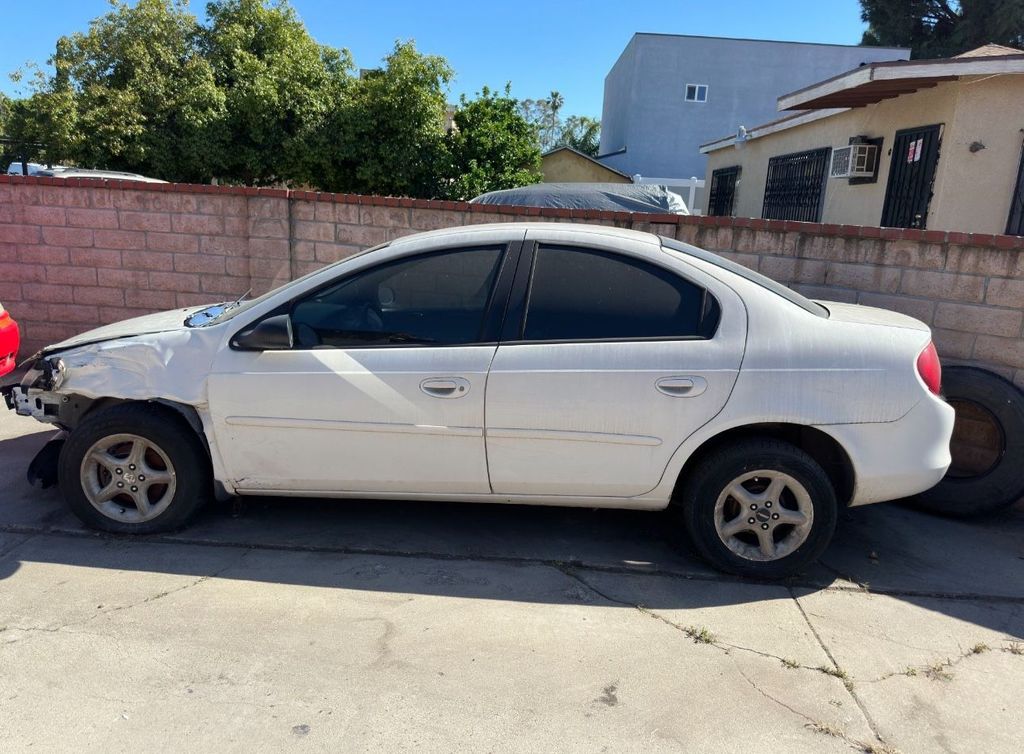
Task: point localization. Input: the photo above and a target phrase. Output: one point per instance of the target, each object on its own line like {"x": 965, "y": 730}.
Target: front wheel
{"x": 134, "y": 469}
{"x": 759, "y": 508}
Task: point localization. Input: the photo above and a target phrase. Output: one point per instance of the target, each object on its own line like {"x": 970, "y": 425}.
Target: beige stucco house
{"x": 939, "y": 147}
{"x": 567, "y": 165}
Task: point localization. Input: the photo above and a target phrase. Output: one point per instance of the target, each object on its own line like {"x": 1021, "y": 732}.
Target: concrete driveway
{"x": 322, "y": 625}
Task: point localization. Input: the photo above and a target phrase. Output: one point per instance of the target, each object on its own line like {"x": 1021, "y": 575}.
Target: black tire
{"x": 165, "y": 429}
{"x": 962, "y": 492}
{"x": 705, "y": 484}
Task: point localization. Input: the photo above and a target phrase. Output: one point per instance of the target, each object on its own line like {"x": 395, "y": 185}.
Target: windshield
{"x": 747, "y": 274}
{"x": 222, "y": 312}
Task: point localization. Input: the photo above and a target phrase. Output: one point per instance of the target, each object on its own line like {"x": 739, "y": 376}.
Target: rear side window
{"x": 584, "y": 294}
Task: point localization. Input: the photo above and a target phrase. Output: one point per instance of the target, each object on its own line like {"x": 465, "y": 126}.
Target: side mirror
{"x": 270, "y": 334}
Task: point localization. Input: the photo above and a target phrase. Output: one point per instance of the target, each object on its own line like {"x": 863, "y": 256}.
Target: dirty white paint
{"x": 567, "y": 423}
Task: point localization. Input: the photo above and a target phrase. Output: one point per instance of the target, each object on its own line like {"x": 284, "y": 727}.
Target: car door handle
{"x": 682, "y": 387}
{"x": 445, "y": 387}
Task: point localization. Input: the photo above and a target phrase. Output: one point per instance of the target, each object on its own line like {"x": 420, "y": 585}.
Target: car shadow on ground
{"x": 496, "y": 551}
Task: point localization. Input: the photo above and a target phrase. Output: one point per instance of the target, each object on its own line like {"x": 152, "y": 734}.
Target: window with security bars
{"x": 795, "y": 186}
{"x": 722, "y": 195}
{"x": 1015, "y": 225}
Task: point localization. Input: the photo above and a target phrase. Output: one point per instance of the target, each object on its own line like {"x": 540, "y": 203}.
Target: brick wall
{"x": 78, "y": 253}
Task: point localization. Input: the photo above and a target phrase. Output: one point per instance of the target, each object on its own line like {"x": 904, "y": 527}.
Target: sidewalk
{"x": 376, "y": 625}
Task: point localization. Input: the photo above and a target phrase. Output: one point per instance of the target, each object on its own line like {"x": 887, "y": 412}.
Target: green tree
{"x": 942, "y": 28}
{"x": 44, "y": 125}
{"x": 388, "y": 136}
{"x": 582, "y": 134}
{"x": 279, "y": 85}
{"x": 491, "y": 146}
{"x": 544, "y": 115}
{"x": 139, "y": 94}
{"x": 577, "y": 131}
{"x": 5, "y": 112}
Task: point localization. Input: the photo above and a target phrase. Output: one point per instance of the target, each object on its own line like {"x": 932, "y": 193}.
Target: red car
{"x": 9, "y": 339}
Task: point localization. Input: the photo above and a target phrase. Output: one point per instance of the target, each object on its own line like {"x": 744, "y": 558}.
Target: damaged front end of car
{"x": 35, "y": 396}
{"x": 66, "y": 382}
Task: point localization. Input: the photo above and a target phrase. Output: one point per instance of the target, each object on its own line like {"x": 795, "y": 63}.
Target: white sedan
{"x": 546, "y": 364}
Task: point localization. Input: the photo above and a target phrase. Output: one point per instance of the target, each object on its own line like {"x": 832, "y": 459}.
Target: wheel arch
{"x": 187, "y": 412}
{"x": 820, "y": 445}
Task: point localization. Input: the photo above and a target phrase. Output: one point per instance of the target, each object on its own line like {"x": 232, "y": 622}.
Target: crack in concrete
{"x": 848, "y": 683}
{"x": 513, "y": 560}
{"x": 836, "y": 671}
{"x": 768, "y": 696}
{"x": 8, "y": 550}
{"x": 936, "y": 670}
{"x": 63, "y": 627}
{"x": 714, "y": 642}
{"x": 725, "y": 648}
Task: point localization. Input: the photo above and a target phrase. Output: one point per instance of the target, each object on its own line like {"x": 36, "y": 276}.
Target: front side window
{"x": 696, "y": 92}
{"x": 436, "y": 299}
{"x": 584, "y": 294}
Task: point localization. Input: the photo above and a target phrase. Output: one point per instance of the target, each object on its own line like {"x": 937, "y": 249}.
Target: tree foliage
{"x": 577, "y": 131}
{"x": 388, "y": 136}
{"x": 136, "y": 92}
{"x": 582, "y": 134}
{"x": 279, "y": 87}
{"x": 491, "y": 146}
{"x": 942, "y": 28}
{"x": 250, "y": 97}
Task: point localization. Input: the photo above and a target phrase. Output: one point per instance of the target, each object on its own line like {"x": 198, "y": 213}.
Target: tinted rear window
{"x": 586, "y": 294}
{"x": 754, "y": 277}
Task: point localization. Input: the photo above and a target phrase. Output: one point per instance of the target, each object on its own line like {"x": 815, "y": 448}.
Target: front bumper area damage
{"x": 36, "y": 396}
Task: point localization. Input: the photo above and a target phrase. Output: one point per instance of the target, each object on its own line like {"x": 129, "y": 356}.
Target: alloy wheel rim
{"x": 128, "y": 478}
{"x": 764, "y": 515}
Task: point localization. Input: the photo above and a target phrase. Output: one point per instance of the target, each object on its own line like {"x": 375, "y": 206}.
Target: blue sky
{"x": 566, "y": 45}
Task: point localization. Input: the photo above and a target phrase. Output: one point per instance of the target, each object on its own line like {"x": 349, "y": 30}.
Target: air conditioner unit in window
{"x": 854, "y": 161}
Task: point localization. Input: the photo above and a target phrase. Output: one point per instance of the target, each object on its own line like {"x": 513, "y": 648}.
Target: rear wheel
{"x": 760, "y": 508}
{"x": 134, "y": 468}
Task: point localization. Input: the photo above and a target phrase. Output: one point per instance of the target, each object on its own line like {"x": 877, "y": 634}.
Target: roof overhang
{"x": 782, "y": 124}
{"x": 880, "y": 81}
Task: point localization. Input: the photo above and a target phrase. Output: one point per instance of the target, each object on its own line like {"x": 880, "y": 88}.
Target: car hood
{"x": 173, "y": 319}
{"x": 870, "y": 315}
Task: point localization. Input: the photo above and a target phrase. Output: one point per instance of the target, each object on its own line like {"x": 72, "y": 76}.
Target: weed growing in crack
{"x": 1015, "y": 648}
{"x": 826, "y": 729}
{"x": 791, "y": 664}
{"x": 880, "y": 749}
{"x": 834, "y": 672}
{"x": 837, "y": 672}
{"x": 980, "y": 648}
{"x": 910, "y": 671}
{"x": 937, "y": 671}
{"x": 700, "y": 635}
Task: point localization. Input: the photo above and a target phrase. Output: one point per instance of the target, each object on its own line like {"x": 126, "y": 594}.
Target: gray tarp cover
{"x": 621, "y": 197}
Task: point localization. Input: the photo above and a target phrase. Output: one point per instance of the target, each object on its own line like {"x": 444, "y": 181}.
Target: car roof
{"x": 116, "y": 175}
{"x": 514, "y": 231}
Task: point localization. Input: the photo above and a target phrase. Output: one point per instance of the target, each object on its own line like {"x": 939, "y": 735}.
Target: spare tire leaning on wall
{"x": 987, "y": 473}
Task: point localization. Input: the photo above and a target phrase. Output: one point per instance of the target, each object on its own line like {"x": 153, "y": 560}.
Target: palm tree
{"x": 555, "y": 102}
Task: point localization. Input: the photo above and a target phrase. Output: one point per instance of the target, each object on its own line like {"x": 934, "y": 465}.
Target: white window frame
{"x": 697, "y": 88}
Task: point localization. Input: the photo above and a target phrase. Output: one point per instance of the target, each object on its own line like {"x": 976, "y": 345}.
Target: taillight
{"x": 930, "y": 369}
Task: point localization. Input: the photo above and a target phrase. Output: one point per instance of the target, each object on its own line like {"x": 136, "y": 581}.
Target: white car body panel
{"x": 566, "y": 424}
{"x": 359, "y": 420}
{"x": 588, "y": 418}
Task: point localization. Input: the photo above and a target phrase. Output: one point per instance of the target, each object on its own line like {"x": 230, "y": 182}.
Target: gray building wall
{"x": 645, "y": 111}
